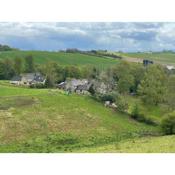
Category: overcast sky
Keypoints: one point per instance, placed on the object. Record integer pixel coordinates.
(86, 36)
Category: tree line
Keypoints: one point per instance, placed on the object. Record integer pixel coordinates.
(10, 68)
(53, 72)
(154, 84)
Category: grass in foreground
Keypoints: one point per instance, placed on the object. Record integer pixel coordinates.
(42, 120)
(162, 144)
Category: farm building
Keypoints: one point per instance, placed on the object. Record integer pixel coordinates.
(16, 80)
(28, 79)
(147, 62)
(80, 86)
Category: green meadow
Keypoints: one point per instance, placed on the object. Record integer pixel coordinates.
(62, 58)
(161, 144)
(48, 120)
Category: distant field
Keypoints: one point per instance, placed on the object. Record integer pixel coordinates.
(45, 120)
(78, 59)
(161, 144)
(159, 57)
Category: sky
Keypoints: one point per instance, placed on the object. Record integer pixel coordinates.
(113, 36)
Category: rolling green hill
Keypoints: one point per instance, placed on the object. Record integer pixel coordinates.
(62, 58)
(159, 57)
(47, 120)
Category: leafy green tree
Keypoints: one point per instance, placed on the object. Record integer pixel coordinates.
(122, 73)
(17, 65)
(72, 72)
(9, 70)
(135, 112)
(6, 69)
(170, 97)
(49, 70)
(89, 72)
(2, 69)
(125, 83)
(152, 88)
(122, 104)
(137, 70)
(29, 64)
(168, 124)
(5, 48)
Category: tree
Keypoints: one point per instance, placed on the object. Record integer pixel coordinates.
(2, 69)
(9, 71)
(49, 70)
(72, 72)
(122, 104)
(152, 88)
(29, 64)
(125, 83)
(168, 124)
(89, 72)
(6, 69)
(137, 71)
(5, 48)
(17, 65)
(135, 112)
(170, 97)
(122, 73)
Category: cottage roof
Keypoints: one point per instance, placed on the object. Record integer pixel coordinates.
(32, 77)
(77, 82)
(82, 87)
(16, 78)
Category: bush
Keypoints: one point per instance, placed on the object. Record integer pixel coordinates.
(107, 97)
(135, 114)
(122, 104)
(168, 124)
(145, 119)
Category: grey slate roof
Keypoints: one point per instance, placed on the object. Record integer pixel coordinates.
(16, 78)
(32, 77)
(29, 78)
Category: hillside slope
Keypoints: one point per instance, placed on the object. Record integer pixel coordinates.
(34, 120)
(62, 58)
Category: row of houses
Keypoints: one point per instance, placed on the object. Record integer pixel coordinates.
(80, 86)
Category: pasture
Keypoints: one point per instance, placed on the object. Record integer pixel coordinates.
(161, 144)
(48, 120)
(77, 59)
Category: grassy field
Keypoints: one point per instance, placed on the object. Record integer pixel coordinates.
(162, 144)
(78, 59)
(45, 120)
(159, 57)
